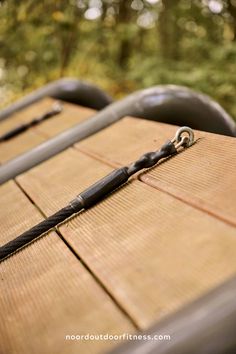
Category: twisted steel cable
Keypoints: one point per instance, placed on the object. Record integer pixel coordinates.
(36, 231)
(98, 191)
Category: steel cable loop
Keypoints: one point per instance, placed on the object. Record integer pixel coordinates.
(98, 191)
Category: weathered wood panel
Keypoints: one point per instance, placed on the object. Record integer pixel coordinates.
(203, 176)
(153, 252)
(46, 293)
(15, 210)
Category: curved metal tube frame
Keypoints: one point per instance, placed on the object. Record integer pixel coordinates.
(168, 104)
(67, 89)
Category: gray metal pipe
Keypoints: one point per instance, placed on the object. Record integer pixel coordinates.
(67, 89)
(206, 326)
(169, 104)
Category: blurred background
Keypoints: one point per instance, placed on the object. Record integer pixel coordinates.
(119, 45)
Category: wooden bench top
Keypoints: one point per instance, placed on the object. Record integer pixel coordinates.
(159, 242)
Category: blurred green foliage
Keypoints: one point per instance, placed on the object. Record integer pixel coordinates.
(119, 45)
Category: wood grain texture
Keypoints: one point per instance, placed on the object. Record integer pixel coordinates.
(153, 252)
(27, 140)
(70, 115)
(46, 293)
(126, 140)
(203, 176)
(57, 181)
(26, 115)
(20, 144)
(14, 212)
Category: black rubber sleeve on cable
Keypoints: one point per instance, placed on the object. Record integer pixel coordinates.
(104, 186)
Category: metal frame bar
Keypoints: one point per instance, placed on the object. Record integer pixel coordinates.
(168, 104)
(67, 89)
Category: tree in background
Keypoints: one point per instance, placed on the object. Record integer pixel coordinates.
(120, 45)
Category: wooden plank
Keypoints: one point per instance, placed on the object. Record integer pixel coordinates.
(46, 293)
(27, 140)
(21, 144)
(126, 140)
(205, 326)
(201, 176)
(71, 115)
(26, 115)
(15, 209)
(153, 252)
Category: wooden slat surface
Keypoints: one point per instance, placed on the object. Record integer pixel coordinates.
(153, 252)
(203, 176)
(70, 115)
(159, 242)
(46, 293)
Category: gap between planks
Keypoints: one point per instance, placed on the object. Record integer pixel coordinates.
(85, 265)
